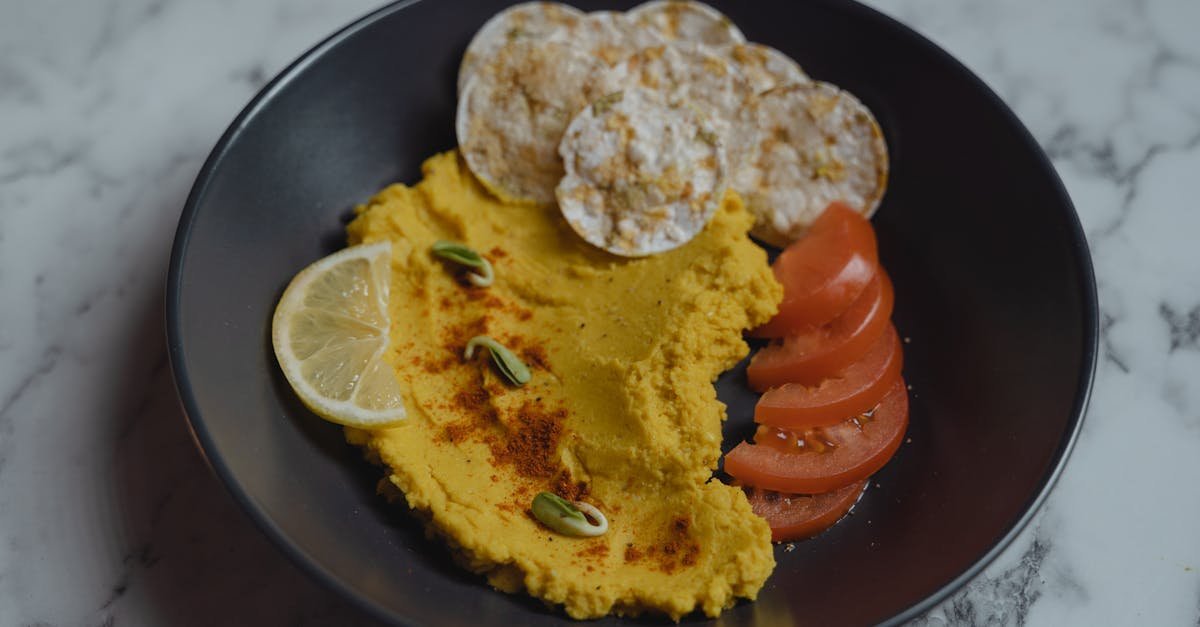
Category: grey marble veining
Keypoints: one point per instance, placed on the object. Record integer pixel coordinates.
(108, 515)
(1111, 90)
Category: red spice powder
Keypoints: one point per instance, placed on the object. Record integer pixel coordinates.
(678, 549)
(570, 490)
(456, 336)
(474, 403)
(433, 366)
(533, 442)
(632, 554)
(536, 356)
(457, 432)
(597, 549)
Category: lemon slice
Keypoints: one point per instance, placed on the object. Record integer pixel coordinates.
(330, 333)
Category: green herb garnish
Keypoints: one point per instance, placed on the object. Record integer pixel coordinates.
(568, 518)
(462, 255)
(601, 106)
(506, 362)
(707, 136)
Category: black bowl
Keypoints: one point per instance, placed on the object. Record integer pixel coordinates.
(993, 280)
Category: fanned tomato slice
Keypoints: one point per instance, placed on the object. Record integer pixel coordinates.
(853, 391)
(800, 516)
(823, 459)
(810, 356)
(824, 271)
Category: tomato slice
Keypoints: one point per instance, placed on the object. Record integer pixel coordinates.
(853, 391)
(800, 516)
(824, 271)
(823, 459)
(811, 356)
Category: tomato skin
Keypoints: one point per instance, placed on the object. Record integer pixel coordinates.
(853, 391)
(824, 271)
(810, 356)
(857, 454)
(802, 516)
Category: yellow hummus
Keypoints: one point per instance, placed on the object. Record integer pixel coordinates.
(620, 412)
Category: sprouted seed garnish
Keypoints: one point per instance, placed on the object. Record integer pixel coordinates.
(506, 362)
(567, 517)
(462, 255)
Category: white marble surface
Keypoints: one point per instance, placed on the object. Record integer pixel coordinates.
(108, 107)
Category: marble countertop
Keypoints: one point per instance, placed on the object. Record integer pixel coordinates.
(108, 515)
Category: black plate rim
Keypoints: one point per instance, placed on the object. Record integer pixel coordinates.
(307, 563)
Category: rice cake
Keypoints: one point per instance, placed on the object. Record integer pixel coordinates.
(643, 176)
(684, 20)
(815, 144)
(765, 67)
(612, 36)
(513, 111)
(529, 20)
(690, 74)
